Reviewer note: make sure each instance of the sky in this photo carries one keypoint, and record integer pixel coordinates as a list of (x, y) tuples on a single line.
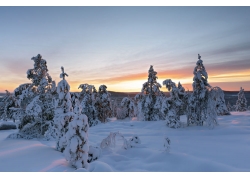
[(115, 46)]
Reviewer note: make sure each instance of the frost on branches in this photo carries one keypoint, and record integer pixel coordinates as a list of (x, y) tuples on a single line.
[(103, 104), (174, 105), (147, 101), (6, 103), (63, 112), (201, 104), (87, 96), (127, 109), (241, 103), (76, 151), (35, 97), (220, 102)]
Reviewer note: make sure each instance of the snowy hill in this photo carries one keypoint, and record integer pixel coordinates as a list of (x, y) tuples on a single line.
[(197, 149)]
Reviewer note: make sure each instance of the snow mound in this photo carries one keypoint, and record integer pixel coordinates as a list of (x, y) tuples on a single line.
[(98, 166)]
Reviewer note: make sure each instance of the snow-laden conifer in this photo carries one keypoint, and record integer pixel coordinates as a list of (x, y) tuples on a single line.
[(6, 103), (76, 151), (42, 89), (63, 112), (175, 104), (88, 103), (220, 102), (147, 100), (241, 103), (103, 104), (201, 103)]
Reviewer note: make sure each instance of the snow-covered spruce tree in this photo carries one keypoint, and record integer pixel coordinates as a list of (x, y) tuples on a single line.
[(200, 102), (88, 103), (76, 151), (7, 102), (147, 101), (174, 110), (241, 103), (183, 96), (75, 96), (63, 112), (128, 108), (220, 102), (103, 104), (38, 93)]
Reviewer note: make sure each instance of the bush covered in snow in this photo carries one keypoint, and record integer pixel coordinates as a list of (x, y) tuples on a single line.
[(127, 108)]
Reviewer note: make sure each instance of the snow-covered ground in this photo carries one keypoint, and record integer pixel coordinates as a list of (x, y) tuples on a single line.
[(225, 148)]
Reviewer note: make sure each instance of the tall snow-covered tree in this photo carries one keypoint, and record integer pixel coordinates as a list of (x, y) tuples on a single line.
[(147, 100), (103, 104), (76, 151), (220, 102), (63, 112), (200, 102), (241, 103), (88, 103), (175, 104), (38, 93)]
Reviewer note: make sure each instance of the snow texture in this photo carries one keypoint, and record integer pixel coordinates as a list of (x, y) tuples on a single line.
[(193, 148)]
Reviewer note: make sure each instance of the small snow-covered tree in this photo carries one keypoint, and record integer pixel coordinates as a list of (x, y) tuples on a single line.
[(183, 96), (220, 102), (63, 112), (175, 104), (88, 103), (127, 109), (241, 103), (103, 104), (76, 151), (147, 101)]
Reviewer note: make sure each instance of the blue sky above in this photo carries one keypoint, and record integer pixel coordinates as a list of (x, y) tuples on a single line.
[(116, 45)]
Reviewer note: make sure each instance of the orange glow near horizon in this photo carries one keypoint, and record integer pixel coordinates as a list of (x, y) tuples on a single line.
[(133, 82)]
